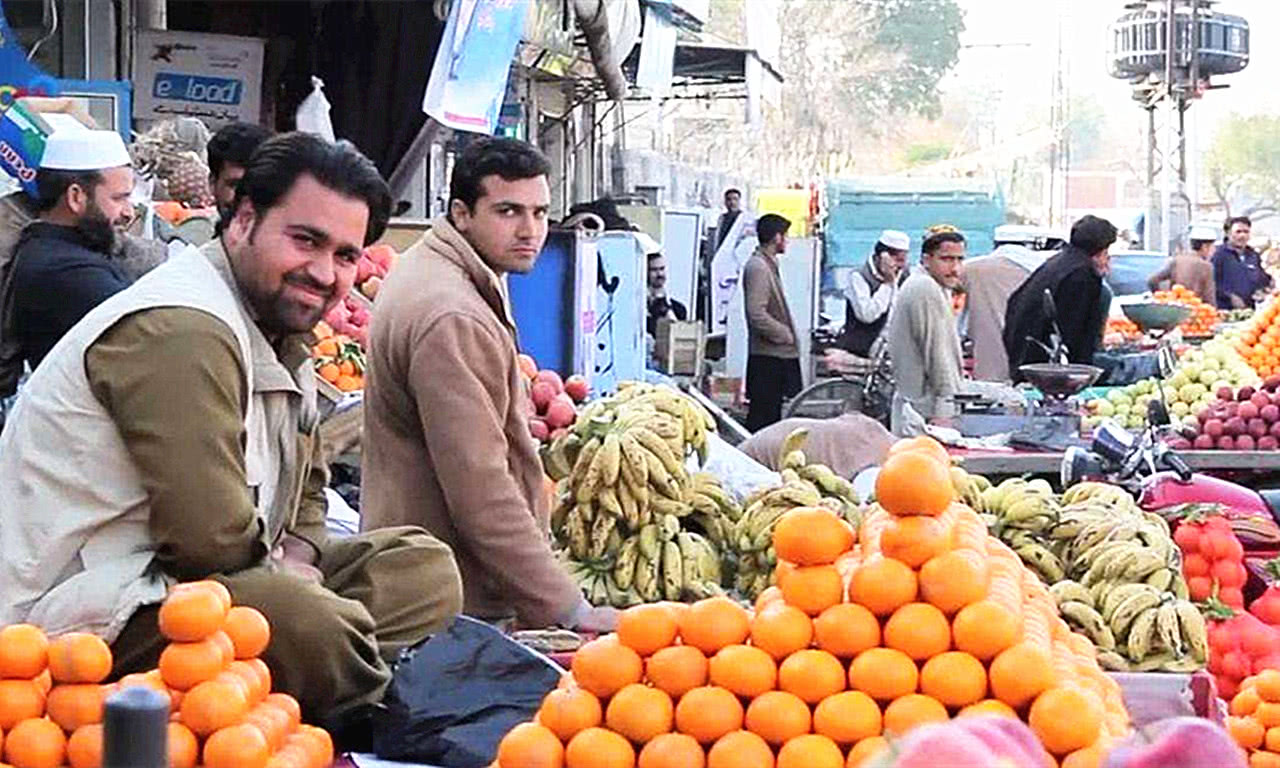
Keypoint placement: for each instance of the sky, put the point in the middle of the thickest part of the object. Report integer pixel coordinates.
(1013, 74)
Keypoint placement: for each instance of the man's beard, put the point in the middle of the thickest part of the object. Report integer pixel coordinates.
(96, 230)
(277, 314)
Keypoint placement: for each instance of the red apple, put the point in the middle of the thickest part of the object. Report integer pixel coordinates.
(1203, 443)
(542, 394)
(365, 269)
(552, 378)
(1247, 411)
(1180, 444)
(1270, 414)
(1245, 443)
(1275, 430)
(1244, 394)
(1261, 399)
(1225, 393)
(1235, 426)
(577, 388)
(559, 414)
(381, 254)
(1257, 428)
(1226, 443)
(1231, 409)
(1214, 428)
(538, 428)
(1268, 443)
(1271, 384)
(1204, 413)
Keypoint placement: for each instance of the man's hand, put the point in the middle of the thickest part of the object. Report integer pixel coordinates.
(587, 618)
(297, 557)
(1237, 302)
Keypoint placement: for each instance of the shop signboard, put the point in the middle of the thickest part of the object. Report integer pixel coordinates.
(217, 78)
(469, 75)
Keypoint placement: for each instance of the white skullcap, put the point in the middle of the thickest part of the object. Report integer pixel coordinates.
(898, 241)
(1204, 232)
(71, 149)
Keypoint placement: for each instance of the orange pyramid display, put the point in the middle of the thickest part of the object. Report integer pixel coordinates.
(919, 617)
(223, 714)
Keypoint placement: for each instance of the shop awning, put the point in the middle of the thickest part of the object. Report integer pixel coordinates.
(707, 64)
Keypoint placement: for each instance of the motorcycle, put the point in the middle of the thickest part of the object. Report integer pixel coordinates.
(1157, 476)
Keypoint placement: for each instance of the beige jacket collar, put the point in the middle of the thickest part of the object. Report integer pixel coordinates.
(445, 241)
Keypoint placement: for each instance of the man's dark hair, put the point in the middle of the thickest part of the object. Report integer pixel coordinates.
(732, 191)
(882, 248)
(1092, 234)
(278, 163)
(1234, 220)
(234, 144)
(1198, 244)
(52, 184)
(933, 242)
(509, 159)
(770, 226)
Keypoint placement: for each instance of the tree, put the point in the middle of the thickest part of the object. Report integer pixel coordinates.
(1244, 165)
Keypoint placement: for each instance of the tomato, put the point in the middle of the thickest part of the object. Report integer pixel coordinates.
(1232, 596)
(1216, 545)
(1236, 665)
(1200, 587)
(1235, 550)
(1266, 662)
(1267, 607)
(1187, 536)
(1256, 638)
(1227, 688)
(1222, 638)
(1230, 573)
(1195, 565)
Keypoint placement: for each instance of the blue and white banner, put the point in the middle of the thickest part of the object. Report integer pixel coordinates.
(469, 77)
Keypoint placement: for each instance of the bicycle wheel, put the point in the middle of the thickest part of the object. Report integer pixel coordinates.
(826, 399)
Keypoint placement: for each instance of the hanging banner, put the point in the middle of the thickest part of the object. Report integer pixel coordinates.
(469, 76)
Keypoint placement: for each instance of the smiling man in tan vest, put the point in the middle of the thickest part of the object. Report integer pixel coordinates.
(171, 436)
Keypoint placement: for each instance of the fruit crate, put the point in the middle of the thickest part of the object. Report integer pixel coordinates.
(680, 347)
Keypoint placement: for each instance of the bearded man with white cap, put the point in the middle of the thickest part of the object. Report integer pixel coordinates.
(62, 263)
(870, 292)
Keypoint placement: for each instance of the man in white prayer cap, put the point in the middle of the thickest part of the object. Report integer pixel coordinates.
(870, 291)
(62, 263)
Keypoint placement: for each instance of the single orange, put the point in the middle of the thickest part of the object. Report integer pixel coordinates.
(249, 631)
(24, 651)
(865, 751)
(884, 674)
(19, 700)
(744, 670)
(647, 629)
(35, 743)
(780, 630)
(811, 536)
(84, 748)
(605, 666)
(273, 723)
(913, 541)
(76, 704)
(954, 678)
(813, 588)
(882, 585)
(238, 746)
(778, 716)
(569, 710)
(257, 686)
(912, 710)
(812, 675)
(190, 615)
(954, 580)
(707, 713)
(988, 708)
(1066, 719)
(913, 483)
(810, 751)
(919, 630)
(714, 623)
(287, 704)
(984, 629)
(847, 718)
(1246, 732)
(740, 749)
(213, 705)
(1245, 702)
(1020, 674)
(594, 748)
(847, 629)
(216, 587)
(79, 657)
(530, 745)
(672, 750)
(184, 750)
(640, 713)
(922, 444)
(677, 670)
(184, 665)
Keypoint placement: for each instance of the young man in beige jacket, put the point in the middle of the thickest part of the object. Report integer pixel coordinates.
(773, 362)
(446, 441)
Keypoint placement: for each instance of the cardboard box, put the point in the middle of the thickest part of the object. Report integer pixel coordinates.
(680, 347)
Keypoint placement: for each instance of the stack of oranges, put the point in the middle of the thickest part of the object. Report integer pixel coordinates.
(223, 714)
(338, 359)
(926, 618)
(1254, 723)
(1203, 316)
(1259, 345)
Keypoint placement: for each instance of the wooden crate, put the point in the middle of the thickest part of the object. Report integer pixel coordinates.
(680, 347)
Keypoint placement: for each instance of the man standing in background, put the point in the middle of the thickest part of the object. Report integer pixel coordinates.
(1237, 268)
(924, 342)
(229, 151)
(732, 209)
(870, 292)
(773, 362)
(1190, 270)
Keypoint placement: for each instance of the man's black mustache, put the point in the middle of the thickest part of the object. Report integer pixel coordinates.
(309, 284)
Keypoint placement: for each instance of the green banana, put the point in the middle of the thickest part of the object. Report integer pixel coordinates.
(656, 446)
(624, 566)
(1043, 561)
(1194, 632)
(650, 541)
(668, 527)
(1141, 635)
(601, 528)
(1128, 611)
(1122, 592)
(585, 459)
(672, 571)
(793, 442)
(1067, 589)
(1112, 661)
(1168, 628)
(648, 578)
(1085, 617)
(577, 534)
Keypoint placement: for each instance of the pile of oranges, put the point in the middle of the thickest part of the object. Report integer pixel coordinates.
(223, 714)
(1126, 328)
(1203, 316)
(1254, 723)
(338, 359)
(1259, 345)
(918, 618)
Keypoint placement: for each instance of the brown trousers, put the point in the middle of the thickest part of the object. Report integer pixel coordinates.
(331, 643)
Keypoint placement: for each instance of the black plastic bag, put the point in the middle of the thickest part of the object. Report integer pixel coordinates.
(452, 699)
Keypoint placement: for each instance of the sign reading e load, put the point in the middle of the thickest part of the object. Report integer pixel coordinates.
(217, 78)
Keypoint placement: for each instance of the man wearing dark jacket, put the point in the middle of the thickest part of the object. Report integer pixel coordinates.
(62, 266)
(1074, 278)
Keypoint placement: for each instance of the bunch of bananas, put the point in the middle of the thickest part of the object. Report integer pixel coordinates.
(803, 485)
(633, 522)
(1136, 626)
(1113, 568)
(660, 562)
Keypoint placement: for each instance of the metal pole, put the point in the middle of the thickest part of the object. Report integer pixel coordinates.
(1171, 141)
